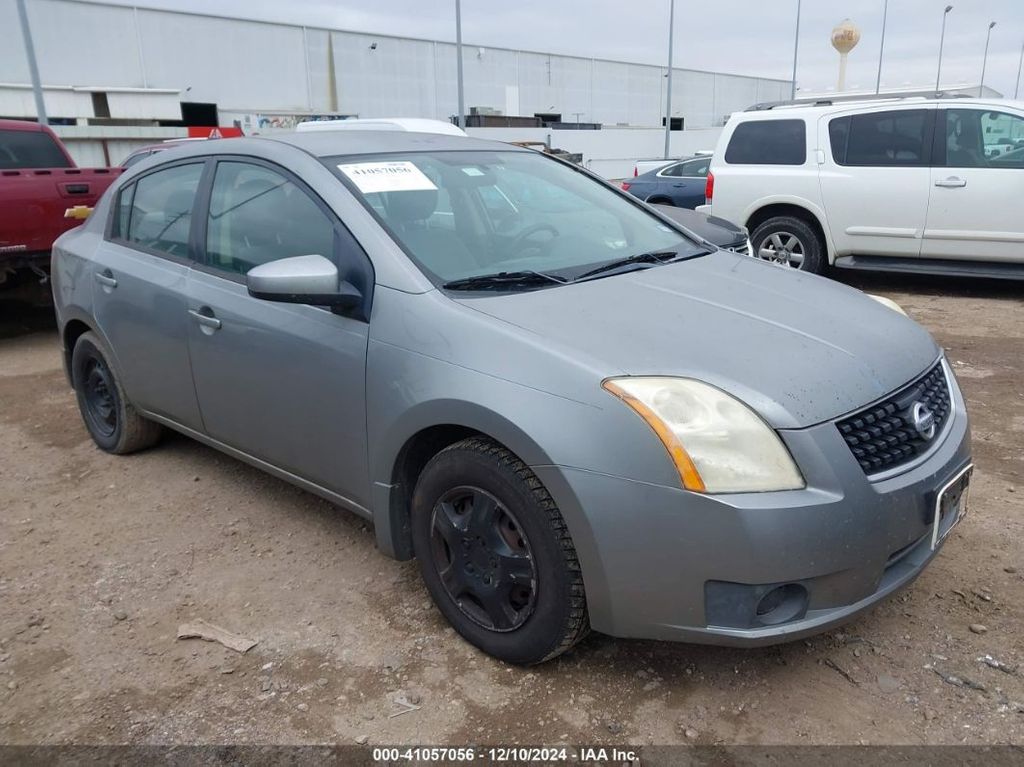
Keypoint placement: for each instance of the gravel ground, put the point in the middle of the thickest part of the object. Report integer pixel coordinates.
(101, 558)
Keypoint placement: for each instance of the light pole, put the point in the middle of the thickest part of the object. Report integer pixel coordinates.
(796, 47)
(942, 39)
(458, 57)
(33, 69)
(1016, 91)
(984, 58)
(668, 92)
(881, 48)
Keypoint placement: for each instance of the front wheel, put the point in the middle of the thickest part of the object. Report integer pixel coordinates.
(789, 242)
(495, 554)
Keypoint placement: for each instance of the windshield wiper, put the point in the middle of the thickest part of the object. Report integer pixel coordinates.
(652, 257)
(503, 280)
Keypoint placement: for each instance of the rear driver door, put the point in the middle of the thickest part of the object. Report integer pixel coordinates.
(685, 182)
(874, 176)
(139, 276)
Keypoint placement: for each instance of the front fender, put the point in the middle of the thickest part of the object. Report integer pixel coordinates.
(390, 502)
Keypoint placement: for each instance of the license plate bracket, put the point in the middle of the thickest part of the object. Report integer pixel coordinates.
(951, 505)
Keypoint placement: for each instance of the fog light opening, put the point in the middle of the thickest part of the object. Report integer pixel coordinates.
(781, 604)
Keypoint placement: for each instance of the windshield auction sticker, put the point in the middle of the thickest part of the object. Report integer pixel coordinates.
(372, 177)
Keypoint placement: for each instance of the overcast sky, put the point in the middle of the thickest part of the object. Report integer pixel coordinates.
(742, 36)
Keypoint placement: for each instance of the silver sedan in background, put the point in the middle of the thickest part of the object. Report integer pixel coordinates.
(571, 410)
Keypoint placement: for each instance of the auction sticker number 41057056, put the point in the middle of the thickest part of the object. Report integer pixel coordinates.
(373, 177)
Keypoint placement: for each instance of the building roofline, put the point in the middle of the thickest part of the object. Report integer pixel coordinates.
(387, 36)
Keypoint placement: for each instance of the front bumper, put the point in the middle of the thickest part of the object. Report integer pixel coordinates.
(663, 563)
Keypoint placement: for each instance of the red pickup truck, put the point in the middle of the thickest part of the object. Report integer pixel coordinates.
(38, 184)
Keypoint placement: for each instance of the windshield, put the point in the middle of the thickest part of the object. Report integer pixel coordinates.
(461, 215)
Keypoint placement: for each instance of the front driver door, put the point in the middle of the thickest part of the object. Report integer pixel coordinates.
(284, 383)
(977, 187)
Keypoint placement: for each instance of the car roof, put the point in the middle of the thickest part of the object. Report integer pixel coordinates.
(354, 142)
(783, 109)
(414, 124)
(344, 142)
(22, 125)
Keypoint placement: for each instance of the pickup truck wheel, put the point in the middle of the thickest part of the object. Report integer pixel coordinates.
(790, 242)
(495, 554)
(112, 422)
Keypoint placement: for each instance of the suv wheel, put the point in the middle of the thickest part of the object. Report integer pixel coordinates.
(112, 422)
(495, 554)
(790, 242)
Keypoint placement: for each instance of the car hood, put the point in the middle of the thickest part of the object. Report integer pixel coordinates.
(799, 349)
(715, 230)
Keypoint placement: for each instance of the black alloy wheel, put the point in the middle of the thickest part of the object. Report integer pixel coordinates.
(496, 554)
(100, 397)
(110, 418)
(484, 560)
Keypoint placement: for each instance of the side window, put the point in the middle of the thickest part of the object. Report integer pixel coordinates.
(839, 138)
(695, 168)
(977, 139)
(768, 142)
(881, 139)
(122, 212)
(161, 209)
(672, 170)
(257, 215)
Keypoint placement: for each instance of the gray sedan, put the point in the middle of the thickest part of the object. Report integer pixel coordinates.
(571, 410)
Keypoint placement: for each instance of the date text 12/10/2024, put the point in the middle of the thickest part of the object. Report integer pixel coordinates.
(517, 754)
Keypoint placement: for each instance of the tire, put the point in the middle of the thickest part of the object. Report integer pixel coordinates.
(791, 242)
(660, 201)
(111, 420)
(495, 554)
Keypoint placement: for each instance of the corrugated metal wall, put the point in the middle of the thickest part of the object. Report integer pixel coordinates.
(247, 66)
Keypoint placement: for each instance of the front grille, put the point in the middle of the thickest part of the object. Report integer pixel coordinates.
(884, 437)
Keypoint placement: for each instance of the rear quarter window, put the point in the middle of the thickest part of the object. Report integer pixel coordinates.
(768, 142)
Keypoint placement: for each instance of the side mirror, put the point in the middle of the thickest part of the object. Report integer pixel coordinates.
(301, 280)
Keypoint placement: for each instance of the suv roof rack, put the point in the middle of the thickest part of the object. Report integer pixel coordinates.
(840, 99)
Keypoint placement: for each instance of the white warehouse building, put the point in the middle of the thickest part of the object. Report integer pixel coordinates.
(106, 64)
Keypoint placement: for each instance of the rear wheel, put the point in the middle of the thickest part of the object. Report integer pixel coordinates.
(113, 423)
(495, 554)
(790, 242)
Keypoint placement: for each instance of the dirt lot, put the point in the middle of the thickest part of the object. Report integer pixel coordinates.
(102, 557)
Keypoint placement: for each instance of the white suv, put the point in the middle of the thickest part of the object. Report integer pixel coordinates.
(914, 184)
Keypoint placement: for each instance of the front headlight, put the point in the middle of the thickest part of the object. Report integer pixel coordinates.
(718, 444)
(889, 303)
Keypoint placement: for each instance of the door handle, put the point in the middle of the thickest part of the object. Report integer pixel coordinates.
(206, 320)
(952, 182)
(105, 278)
